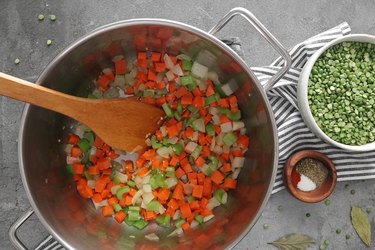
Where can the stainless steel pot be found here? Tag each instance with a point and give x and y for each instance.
(74, 221)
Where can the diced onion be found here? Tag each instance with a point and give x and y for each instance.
(216, 119)
(194, 224)
(212, 203)
(177, 215)
(209, 217)
(171, 182)
(236, 172)
(199, 70)
(91, 183)
(98, 205)
(147, 188)
(165, 152)
(163, 130)
(238, 125)
(147, 197)
(114, 189)
(183, 57)
(218, 150)
(123, 178)
(226, 127)
(170, 76)
(168, 61)
(207, 58)
(162, 209)
(68, 148)
(72, 160)
(238, 162)
(190, 147)
(137, 195)
(152, 237)
(177, 70)
(230, 87)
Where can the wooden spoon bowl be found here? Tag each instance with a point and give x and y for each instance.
(121, 123)
(319, 193)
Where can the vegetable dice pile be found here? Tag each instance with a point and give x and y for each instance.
(192, 160)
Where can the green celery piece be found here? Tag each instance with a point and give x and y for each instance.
(161, 91)
(140, 224)
(197, 152)
(207, 170)
(133, 215)
(179, 108)
(177, 148)
(86, 158)
(218, 194)
(91, 96)
(167, 110)
(90, 136)
(210, 129)
(117, 207)
(130, 183)
(178, 223)
(234, 116)
(134, 208)
(149, 92)
(153, 205)
(84, 145)
(164, 221)
(229, 138)
(154, 143)
(214, 162)
(211, 99)
(199, 218)
(115, 180)
(192, 86)
(129, 222)
(190, 198)
(170, 172)
(193, 109)
(70, 168)
(187, 64)
(121, 191)
(219, 90)
(186, 80)
(177, 116)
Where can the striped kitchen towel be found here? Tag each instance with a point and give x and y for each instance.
(293, 134)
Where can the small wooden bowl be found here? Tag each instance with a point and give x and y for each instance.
(319, 193)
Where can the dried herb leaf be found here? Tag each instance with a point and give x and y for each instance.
(361, 225)
(293, 242)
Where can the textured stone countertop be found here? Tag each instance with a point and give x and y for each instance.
(24, 37)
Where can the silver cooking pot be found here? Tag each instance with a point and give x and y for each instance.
(73, 220)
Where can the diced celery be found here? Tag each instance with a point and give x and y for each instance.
(121, 191)
(90, 136)
(140, 224)
(234, 116)
(153, 205)
(190, 198)
(199, 218)
(168, 111)
(197, 152)
(210, 129)
(170, 173)
(91, 96)
(214, 162)
(221, 196)
(229, 138)
(179, 108)
(164, 221)
(84, 145)
(177, 116)
(177, 148)
(133, 215)
(86, 157)
(117, 207)
(186, 80)
(193, 109)
(130, 183)
(154, 143)
(198, 124)
(199, 70)
(187, 64)
(206, 170)
(178, 223)
(211, 99)
(129, 222)
(134, 208)
(149, 92)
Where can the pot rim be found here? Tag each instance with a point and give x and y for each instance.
(161, 22)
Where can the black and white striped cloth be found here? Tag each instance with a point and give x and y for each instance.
(292, 132)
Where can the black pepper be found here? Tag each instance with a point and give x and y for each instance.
(313, 169)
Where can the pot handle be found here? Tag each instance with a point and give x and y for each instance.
(265, 33)
(16, 225)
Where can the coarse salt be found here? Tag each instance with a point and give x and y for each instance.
(306, 184)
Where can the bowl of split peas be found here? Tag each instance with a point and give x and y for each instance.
(336, 92)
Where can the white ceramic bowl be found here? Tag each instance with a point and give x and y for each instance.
(302, 92)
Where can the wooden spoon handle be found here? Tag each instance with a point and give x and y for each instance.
(35, 94)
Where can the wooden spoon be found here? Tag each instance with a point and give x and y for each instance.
(121, 123)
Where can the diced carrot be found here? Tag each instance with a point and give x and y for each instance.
(173, 204)
(151, 76)
(178, 192)
(155, 56)
(189, 132)
(107, 171)
(163, 194)
(170, 211)
(103, 82)
(198, 102)
(174, 130)
(187, 99)
(120, 67)
(192, 176)
(243, 140)
(76, 151)
(197, 191)
(206, 212)
(237, 153)
(174, 160)
(224, 119)
(210, 90)
(112, 154)
(203, 203)
(179, 172)
(225, 156)
(97, 197)
(230, 183)
(149, 215)
(217, 129)
(200, 161)
(160, 67)
(113, 200)
(132, 191)
(186, 165)
(227, 168)
(149, 154)
(128, 166)
(201, 177)
(207, 187)
(120, 216)
(107, 211)
(185, 210)
(142, 63)
(141, 76)
(233, 100)
(104, 163)
(185, 226)
(160, 85)
(223, 102)
(217, 177)
(140, 162)
(142, 171)
(128, 200)
(93, 170)
(194, 205)
(78, 168)
(197, 92)
(142, 56)
(73, 139)
(206, 151)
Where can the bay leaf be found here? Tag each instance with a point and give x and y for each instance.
(361, 225)
(293, 242)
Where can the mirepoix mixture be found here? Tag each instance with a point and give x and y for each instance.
(193, 159)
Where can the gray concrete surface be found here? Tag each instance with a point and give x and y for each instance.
(23, 36)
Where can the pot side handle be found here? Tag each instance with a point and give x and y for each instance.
(265, 33)
(16, 225)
